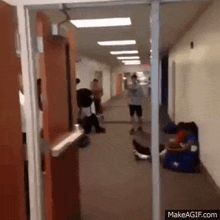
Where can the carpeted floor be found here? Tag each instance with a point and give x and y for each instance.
(116, 187)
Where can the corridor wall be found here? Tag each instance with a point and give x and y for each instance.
(197, 84)
(85, 71)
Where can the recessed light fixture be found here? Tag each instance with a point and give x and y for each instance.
(116, 42)
(131, 62)
(102, 22)
(124, 52)
(128, 58)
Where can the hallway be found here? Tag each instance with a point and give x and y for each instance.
(116, 187)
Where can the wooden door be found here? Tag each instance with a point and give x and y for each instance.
(119, 84)
(61, 179)
(12, 189)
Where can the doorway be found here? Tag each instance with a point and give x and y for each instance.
(119, 85)
(126, 79)
(99, 77)
(173, 90)
(164, 81)
(69, 93)
(57, 164)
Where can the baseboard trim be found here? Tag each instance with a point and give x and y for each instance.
(209, 178)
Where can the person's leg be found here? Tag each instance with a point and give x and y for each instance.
(139, 114)
(87, 125)
(95, 122)
(99, 106)
(132, 111)
(96, 105)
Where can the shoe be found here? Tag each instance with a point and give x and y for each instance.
(132, 131)
(101, 130)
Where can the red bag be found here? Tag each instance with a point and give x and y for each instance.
(181, 136)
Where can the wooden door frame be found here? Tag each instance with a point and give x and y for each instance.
(173, 91)
(69, 93)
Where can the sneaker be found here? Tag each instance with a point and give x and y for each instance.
(132, 131)
(101, 130)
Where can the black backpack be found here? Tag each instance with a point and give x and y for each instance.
(84, 98)
(83, 142)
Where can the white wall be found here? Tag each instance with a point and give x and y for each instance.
(85, 71)
(198, 84)
(129, 68)
(113, 83)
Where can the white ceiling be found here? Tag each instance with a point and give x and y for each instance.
(175, 18)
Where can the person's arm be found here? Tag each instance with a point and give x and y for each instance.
(129, 92)
(100, 91)
(79, 120)
(141, 93)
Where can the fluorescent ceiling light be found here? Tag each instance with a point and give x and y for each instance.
(124, 52)
(102, 22)
(128, 58)
(116, 42)
(127, 63)
(131, 61)
(140, 73)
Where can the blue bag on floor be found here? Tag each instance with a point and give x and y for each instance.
(182, 161)
(171, 128)
(192, 137)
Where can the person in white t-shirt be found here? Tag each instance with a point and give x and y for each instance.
(135, 95)
(23, 113)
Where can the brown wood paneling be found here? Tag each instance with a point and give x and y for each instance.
(12, 193)
(119, 84)
(62, 179)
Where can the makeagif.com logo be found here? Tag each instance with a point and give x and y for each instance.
(191, 215)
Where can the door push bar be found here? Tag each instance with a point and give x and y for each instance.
(59, 148)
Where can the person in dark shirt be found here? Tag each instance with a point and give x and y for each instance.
(87, 113)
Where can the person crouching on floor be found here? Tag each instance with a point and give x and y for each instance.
(87, 113)
(142, 145)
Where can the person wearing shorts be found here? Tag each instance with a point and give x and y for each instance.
(135, 95)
